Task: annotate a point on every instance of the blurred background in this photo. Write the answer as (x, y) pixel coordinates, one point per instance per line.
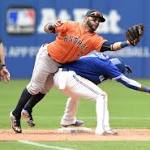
(22, 22)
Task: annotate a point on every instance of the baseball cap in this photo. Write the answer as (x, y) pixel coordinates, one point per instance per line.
(95, 13)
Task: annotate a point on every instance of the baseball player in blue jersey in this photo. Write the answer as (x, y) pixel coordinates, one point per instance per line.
(80, 79)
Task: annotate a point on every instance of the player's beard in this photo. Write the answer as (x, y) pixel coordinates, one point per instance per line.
(91, 26)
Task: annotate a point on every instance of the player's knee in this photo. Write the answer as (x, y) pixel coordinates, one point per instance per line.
(44, 91)
(33, 88)
(102, 96)
(105, 95)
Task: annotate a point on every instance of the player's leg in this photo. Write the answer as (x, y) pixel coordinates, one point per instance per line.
(87, 89)
(69, 117)
(27, 110)
(82, 87)
(15, 115)
(34, 100)
(106, 121)
(108, 130)
(61, 81)
(43, 67)
(102, 113)
(91, 91)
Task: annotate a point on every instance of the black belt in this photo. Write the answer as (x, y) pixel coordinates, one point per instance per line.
(65, 69)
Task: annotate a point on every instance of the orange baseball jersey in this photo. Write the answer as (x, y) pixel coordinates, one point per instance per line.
(72, 42)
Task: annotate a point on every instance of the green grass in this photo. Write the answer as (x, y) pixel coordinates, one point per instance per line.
(94, 145)
(128, 109)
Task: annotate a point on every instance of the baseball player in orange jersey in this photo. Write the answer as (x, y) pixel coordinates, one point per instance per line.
(4, 73)
(73, 40)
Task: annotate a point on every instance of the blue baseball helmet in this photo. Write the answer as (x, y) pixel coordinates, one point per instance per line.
(123, 68)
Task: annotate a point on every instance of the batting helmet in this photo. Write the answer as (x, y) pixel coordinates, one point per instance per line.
(121, 65)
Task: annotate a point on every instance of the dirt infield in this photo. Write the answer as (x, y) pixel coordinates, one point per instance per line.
(53, 135)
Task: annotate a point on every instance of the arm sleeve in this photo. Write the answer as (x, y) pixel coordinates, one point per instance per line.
(97, 42)
(132, 84)
(61, 28)
(106, 46)
(111, 71)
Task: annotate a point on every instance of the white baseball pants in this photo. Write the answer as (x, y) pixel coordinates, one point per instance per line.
(75, 87)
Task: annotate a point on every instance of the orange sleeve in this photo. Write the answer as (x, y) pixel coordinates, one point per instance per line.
(98, 42)
(62, 27)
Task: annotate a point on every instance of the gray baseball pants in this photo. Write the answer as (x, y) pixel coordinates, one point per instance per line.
(42, 76)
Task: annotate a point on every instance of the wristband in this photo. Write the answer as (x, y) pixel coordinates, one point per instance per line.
(146, 89)
(124, 44)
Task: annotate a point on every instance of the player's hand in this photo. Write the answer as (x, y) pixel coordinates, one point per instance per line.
(48, 28)
(4, 74)
(58, 23)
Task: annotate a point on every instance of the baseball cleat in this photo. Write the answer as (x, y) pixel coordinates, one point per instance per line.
(110, 132)
(78, 123)
(28, 117)
(15, 123)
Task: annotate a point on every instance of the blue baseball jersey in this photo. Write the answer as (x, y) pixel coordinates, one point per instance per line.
(95, 67)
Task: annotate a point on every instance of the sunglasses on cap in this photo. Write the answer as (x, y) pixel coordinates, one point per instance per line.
(95, 14)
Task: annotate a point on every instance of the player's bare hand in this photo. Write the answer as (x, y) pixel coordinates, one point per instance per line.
(58, 23)
(4, 74)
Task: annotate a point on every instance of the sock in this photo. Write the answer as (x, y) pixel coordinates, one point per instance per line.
(33, 101)
(25, 96)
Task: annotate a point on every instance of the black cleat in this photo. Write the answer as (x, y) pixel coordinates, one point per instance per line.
(28, 116)
(15, 124)
(78, 123)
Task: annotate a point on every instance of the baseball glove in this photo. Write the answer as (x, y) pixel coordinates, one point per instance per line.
(134, 34)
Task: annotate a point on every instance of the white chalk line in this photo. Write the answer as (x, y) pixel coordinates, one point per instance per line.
(44, 145)
(112, 118)
(120, 118)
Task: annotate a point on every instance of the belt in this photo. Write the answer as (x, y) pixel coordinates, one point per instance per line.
(49, 55)
(52, 58)
(44, 44)
(65, 69)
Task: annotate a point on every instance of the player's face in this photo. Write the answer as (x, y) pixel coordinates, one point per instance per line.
(93, 23)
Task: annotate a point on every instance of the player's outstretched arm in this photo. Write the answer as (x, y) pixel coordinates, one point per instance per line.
(132, 84)
(133, 37)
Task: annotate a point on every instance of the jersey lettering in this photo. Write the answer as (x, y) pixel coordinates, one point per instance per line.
(76, 41)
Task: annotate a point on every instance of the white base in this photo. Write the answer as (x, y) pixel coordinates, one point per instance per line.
(75, 130)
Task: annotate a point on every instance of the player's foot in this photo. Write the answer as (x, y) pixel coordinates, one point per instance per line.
(78, 123)
(15, 123)
(28, 116)
(110, 132)
(106, 132)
